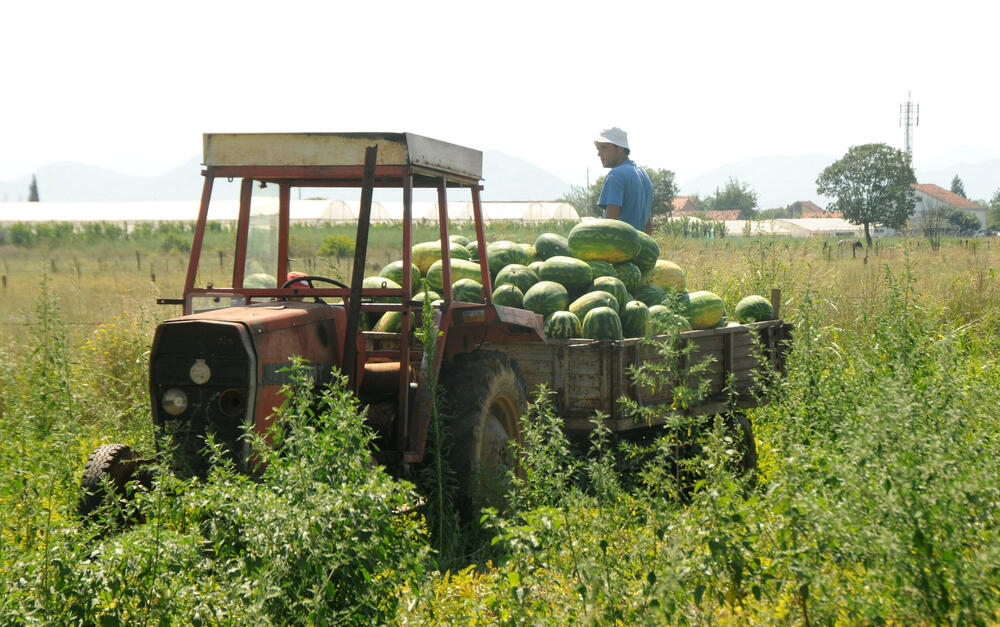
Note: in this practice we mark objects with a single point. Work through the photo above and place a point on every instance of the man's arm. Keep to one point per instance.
(612, 211)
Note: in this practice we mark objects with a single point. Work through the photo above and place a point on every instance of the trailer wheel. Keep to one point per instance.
(116, 462)
(485, 397)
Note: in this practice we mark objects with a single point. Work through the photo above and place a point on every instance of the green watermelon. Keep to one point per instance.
(705, 310)
(591, 300)
(666, 275)
(460, 269)
(426, 253)
(473, 248)
(529, 252)
(663, 321)
(754, 309)
(467, 291)
(516, 274)
(460, 240)
(394, 271)
(575, 275)
(380, 282)
(536, 266)
(602, 323)
(562, 325)
(608, 240)
(550, 244)
(629, 274)
(504, 253)
(614, 286)
(390, 322)
(635, 319)
(648, 255)
(546, 297)
(422, 295)
(602, 268)
(508, 295)
(649, 294)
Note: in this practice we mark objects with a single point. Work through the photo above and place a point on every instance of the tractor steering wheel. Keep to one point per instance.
(309, 279)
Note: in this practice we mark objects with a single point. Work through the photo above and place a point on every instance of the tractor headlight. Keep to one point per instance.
(174, 401)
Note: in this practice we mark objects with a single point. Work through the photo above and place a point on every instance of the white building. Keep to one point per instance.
(930, 197)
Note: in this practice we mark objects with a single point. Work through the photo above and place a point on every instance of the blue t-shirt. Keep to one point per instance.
(628, 186)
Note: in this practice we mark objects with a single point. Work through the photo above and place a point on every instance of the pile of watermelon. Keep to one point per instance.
(604, 281)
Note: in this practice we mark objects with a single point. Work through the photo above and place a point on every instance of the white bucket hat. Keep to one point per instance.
(613, 135)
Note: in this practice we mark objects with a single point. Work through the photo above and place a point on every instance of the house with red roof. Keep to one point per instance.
(930, 197)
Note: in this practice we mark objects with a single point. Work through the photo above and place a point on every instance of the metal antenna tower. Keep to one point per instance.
(909, 117)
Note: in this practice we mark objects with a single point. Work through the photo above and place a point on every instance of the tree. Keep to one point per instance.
(734, 196)
(664, 190)
(957, 187)
(584, 199)
(33, 190)
(870, 184)
(993, 215)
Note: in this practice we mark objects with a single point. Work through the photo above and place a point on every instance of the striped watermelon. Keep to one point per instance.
(662, 321)
(649, 253)
(536, 266)
(460, 269)
(504, 253)
(614, 286)
(666, 275)
(546, 297)
(426, 253)
(635, 319)
(461, 240)
(431, 295)
(602, 323)
(550, 244)
(390, 322)
(604, 239)
(562, 325)
(649, 294)
(705, 310)
(629, 274)
(394, 271)
(473, 248)
(516, 274)
(467, 291)
(573, 274)
(508, 295)
(592, 300)
(754, 309)
(602, 268)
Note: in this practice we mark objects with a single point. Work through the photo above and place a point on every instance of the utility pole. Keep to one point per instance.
(909, 117)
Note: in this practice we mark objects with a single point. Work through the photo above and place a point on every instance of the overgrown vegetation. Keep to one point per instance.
(876, 499)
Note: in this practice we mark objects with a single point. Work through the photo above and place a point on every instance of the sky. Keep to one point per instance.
(131, 86)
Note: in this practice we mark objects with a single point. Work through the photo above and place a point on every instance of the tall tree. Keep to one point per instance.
(870, 184)
(734, 196)
(993, 215)
(33, 190)
(957, 187)
(664, 190)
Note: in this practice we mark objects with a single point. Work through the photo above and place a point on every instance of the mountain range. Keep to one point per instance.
(777, 180)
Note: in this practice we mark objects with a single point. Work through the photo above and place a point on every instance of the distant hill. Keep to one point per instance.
(506, 178)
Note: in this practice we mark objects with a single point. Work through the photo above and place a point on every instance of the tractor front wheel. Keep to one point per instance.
(485, 397)
(116, 463)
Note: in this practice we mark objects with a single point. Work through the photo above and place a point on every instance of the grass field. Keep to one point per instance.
(877, 499)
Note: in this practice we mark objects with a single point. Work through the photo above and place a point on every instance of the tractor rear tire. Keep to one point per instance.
(485, 397)
(117, 462)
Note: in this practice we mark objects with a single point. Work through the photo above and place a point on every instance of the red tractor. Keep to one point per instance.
(220, 367)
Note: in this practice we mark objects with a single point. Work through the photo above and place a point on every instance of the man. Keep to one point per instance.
(627, 194)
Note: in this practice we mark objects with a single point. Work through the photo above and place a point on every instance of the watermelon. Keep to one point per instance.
(575, 275)
(394, 271)
(666, 275)
(648, 255)
(754, 309)
(602, 268)
(516, 274)
(426, 253)
(592, 300)
(635, 319)
(677, 301)
(614, 286)
(380, 282)
(608, 240)
(536, 266)
(508, 295)
(705, 310)
(390, 322)
(422, 295)
(504, 253)
(546, 297)
(473, 248)
(649, 294)
(629, 274)
(529, 252)
(663, 321)
(562, 325)
(460, 240)
(602, 323)
(460, 269)
(467, 291)
(550, 244)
